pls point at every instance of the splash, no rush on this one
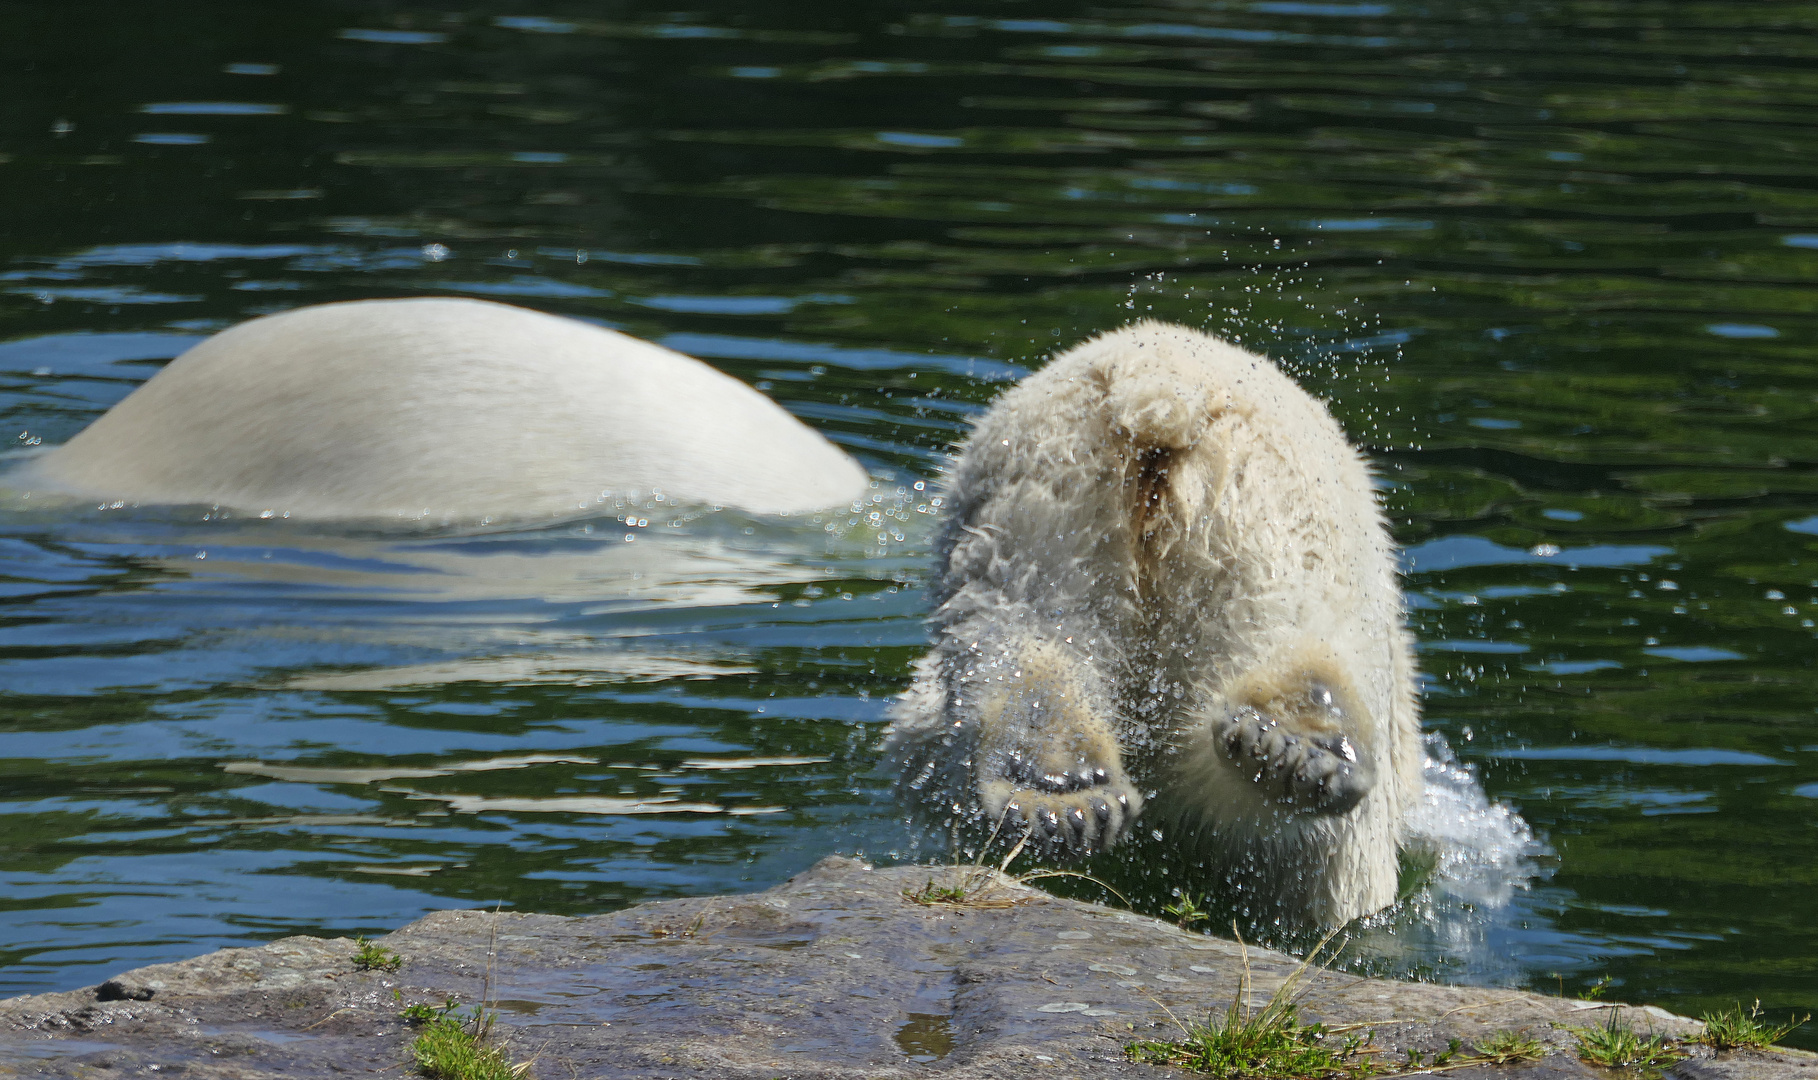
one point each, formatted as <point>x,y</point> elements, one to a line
<point>1483,851</point>
<point>1474,862</point>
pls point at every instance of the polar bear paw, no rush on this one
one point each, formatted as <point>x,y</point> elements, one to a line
<point>1321,772</point>
<point>1070,815</point>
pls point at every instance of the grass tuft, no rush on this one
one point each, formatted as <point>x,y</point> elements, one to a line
<point>937,894</point>
<point>1509,1048</point>
<point>1729,1029</point>
<point>449,1048</point>
<point>1616,1044</point>
<point>1250,1044</point>
<point>1185,911</point>
<point>371,957</point>
<point>422,1013</point>
<point>1269,1043</point>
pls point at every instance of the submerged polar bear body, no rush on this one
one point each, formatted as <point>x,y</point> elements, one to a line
<point>444,408</point>
<point>1166,589</point>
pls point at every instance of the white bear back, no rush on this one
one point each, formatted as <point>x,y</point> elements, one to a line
<point>447,408</point>
<point>1265,527</point>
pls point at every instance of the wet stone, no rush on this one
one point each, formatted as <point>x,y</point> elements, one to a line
<point>832,975</point>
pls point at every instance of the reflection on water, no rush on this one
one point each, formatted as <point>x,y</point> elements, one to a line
<point>925,1037</point>
<point>1551,262</point>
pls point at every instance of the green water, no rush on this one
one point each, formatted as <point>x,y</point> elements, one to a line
<point>1552,263</point>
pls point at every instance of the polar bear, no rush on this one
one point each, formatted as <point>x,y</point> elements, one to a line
<point>1166,589</point>
<point>443,409</point>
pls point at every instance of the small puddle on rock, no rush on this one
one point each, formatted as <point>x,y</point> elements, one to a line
<point>279,1037</point>
<point>925,1037</point>
<point>50,1049</point>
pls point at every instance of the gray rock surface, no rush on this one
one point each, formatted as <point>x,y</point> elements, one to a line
<point>835,974</point>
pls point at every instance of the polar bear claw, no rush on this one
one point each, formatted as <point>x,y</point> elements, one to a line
<point>1066,816</point>
<point>1320,774</point>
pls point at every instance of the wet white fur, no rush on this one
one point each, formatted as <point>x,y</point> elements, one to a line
<point>445,409</point>
<point>1268,558</point>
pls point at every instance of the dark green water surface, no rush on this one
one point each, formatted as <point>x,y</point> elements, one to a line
<point>1553,263</point>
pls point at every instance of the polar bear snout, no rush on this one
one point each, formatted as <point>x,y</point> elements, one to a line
<point>1299,750</point>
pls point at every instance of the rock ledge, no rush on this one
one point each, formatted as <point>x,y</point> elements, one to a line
<point>834,974</point>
